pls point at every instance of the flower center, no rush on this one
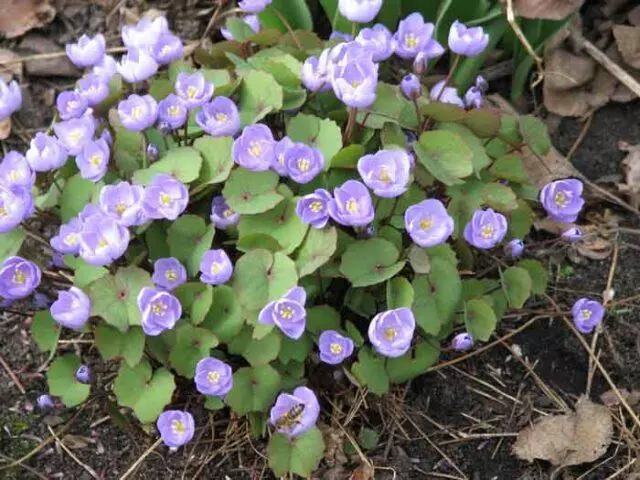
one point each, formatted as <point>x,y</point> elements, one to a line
<point>136,112</point>
<point>16,175</point>
<point>356,83</point>
<point>192,92</point>
<point>166,50</point>
<point>171,275</point>
<point>586,314</point>
<point>159,308</point>
<point>178,427</point>
<point>286,313</point>
<point>173,110</point>
<point>95,160</point>
<point>304,164</point>
<point>352,205</point>
<point>316,207</point>
<point>410,40</point>
<point>336,348</point>
<point>221,117</point>
<point>255,150</point>
<point>383,175</point>
<point>71,239</point>
<point>561,199</point>
<point>227,213</point>
<point>390,334</point>
<point>216,268</point>
<point>487,231</point>
<point>103,243</point>
<point>120,208</point>
<point>165,199</point>
<point>75,137</point>
<point>213,377</point>
<point>426,223</point>
<point>19,277</point>
<point>72,104</point>
<point>3,212</point>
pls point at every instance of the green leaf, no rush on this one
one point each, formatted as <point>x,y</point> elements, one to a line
<point>361,301</point>
<point>196,298</point>
<point>419,259</point>
<point>367,262</point>
<point>156,239</point>
<point>392,136</point>
<point>321,318</point>
<point>45,331</point>
<point>62,381</point>
<point>442,112</point>
<point>323,134</point>
<point>193,344</point>
<point>535,135</point>
<point>479,319</point>
<point>182,162</point>
<point>114,298</point>
<point>261,276</point>
<point>251,192</point>
<point>216,153</point>
<point>238,29</point>
<point>348,157</point>
<point>253,241</point>
<point>11,242</point>
<point>368,438</point>
<point>499,197</point>
<point>213,403</point>
<point>510,167</point>
<point>260,95</point>
<point>354,333</point>
<point>264,350</point>
<point>296,350</point>
<point>390,106</point>
<point>299,455</point>
<point>160,88</point>
<point>296,12</point>
<point>112,343</point>
<point>317,249</point>
<point>479,158</point>
<point>413,363</point>
<point>538,274</point>
<point>517,285</point>
<point>225,317</point>
<point>445,155</point>
<point>520,220</point>
<point>189,238</point>
<point>128,150</point>
<point>254,389</point>
<point>399,293</point>
<point>509,136</point>
<point>483,122</point>
<point>77,193</point>
<point>370,371</point>
<point>84,274</point>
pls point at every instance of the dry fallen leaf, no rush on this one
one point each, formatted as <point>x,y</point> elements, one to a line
<point>9,67</point>
<point>547,9</point>
<point>628,40</point>
<point>631,169</point>
<point>565,70</point>
<point>59,66</point>
<point>571,439</point>
<point>19,16</point>
<point>611,399</point>
<point>5,128</point>
<point>634,16</point>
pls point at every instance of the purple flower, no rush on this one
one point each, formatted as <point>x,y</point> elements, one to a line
<point>102,240</point>
<point>213,378</point>
<point>287,313</point>
<point>106,136</point>
<point>254,6</point>
<point>314,208</point>
<point>123,203</point>
<point>93,88</point>
<point>168,273</point>
<point>215,267</point>
<point>176,428</point>
<point>515,248</point>
<point>251,20</point>
<point>71,105</point>
<point>89,210</point>
<point>160,310</point>
<point>18,278</point>
<point>462,342</point>
<point>281,149</point>
<point>15,172</point>
<point>293,414</point>
<point>587,314</point>
<point>254,148</point>
<point>57,260</point>
<point>93,160</point>
<point>482,84</point>
<point>106,69</point>
<point>355,79</point>
<point>221,214</point>
<point>315,73</point>
<point>10,98</point>
<point>334,348</point>
<point>172,111</point>
<point>303,163</point>
<point>359,11</point>
<point>165,197</point>
<point>68,239</point>
<point>219,118</point>
<point>40,301</point>
<point>45,402</point>
<point>410,86</point>
<point>193,89</point>
<point>449,95</point>
<point>378,40</point>
<point>428,223</point>
<point>167,49</point>
<point>136,65</point>
<point>485,229</point>
<point>13,209</point>
<point>345,37</point>
<point>87,51</point>
<point>351,204</point>
<point>74,134</point>
<point>152,152</point>
<point>470,42</point>
<point>391,332</point>
<point>572,235</point>
<point>83,374</point>
<point>412,36</point>
<point>431,50</point>
<point>145,33</point>
<point>562,199</point>
<point>386,172</point>
<point>473,98</point>
<point>138,113</point>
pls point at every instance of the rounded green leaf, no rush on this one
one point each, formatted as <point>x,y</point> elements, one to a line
<point>156,395</point>
<point>390,106</point>
<point>45,331</point>
<point>399,293</point>
<point>62,381</point>
<point>112,343</point>
<point>413,363</point>
<point>442,112</point>
<point>296,13</point>
<point>251,192</point>
<point>445,155</point>
<point>213,403</point>
<point>520,220</point>
<point>537,272</point>
<point>300,455</point>
<point>479,319</point>
<point>500,197</point>
<point>509,167</point>
<point>253,241</point>
<point>484,122</point>
<point>183,163</point>
<point>75,195</point>
<point>11,242</point>
<point>348,157</point>
<point>296,350</point>
<point>323,134</point>
<point>260,95</point>
<point>225,317</point>
<point>193,344</point>
<point>317,249</point>
<point>128,150</point>
<point>321,318</point>
<point>419,259</point>
<point>367,262</point>
<point>517,284</point>
<point>264,350</point>
<point>189,237</point>
<point>196,299</point>
<point>535,134</point>
<point>479,158</point>
<point>254,389</point>
<point>217,160</point>
<point>370,371</point>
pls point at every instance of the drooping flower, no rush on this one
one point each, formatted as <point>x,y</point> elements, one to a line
<point>75,133</point>
<point>303,163</point>
<point>213,377</point>
<point>193,89</point>
<point>473,98</point>
<point>137,112</point>
<point>68,239</point>
<point>176,428</point>
<point>351,204</point>
<point>462,342</point>
<point>136,65</point>
<point>251,20</point>
<point>314,208</point>
<point>102,240</point>
<point>315,73</point>
<point>106,69</point>
<point>93,160</point>
<point>386,172</point>
<point>10,98</point>
<point>410,86</point>
<point>15,172</point>
<point>486,229</point>
<point>168,273</point>
<point>470,42</point>
<point>145,33</point>
<point>221,214</point>
<point>287,313</point>
<point>93,88</point>
<point>391,332</point>
<point>83,374</point>
<point>279,165</point>
<point>254,148</point>
<point>165,197</point>
<point>334,348</point>
<point>215,267</point>
<point>295,413</point>
<point>219,118</point>
<point>18,278</point>
<point>359,11</point>
<point>70,104</point>
<point>572,234</point>
<point>515,248</point>
<point>587,314</point>
<point>172,111</point>
<point>12,209</point>
<point>254,6</point>
<point>87,52</point>
<point>45,402</point>
<point>428,223</point>
<point>123,203</point>
<point>562,199</point>
<point>160,310</point>
<point>355,78</point>
<point>167,49</point>
<point>412,36</point>
<point>449,95</point>
<point>378,40</point>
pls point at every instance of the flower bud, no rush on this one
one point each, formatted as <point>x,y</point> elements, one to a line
<point>83,374</point>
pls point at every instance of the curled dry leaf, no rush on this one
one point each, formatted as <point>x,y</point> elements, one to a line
<point>634,16</point>
<point>10,66</point>
<point>566,70</point>
<point>628,40</point>
<point>547,9</point>
<point>631,169</point>
<point>611,399</point>
<point>571,439</point>
<point>5,128</point>
<point>59,65</point>
<point>19,16</point>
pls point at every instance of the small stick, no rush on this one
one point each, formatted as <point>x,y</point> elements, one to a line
<point>89,470</point>
<point>583,133</point>
<point>511,19</point>
<point>141,459</point>
<point>13,376</point>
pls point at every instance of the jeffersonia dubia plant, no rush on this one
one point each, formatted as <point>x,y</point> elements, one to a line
<point>219,222</point>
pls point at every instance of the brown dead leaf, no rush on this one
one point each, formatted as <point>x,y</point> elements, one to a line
<point>634,16</point>
<point>594,245</point>
<point>611,399</point>
<point>566,103</point>
<point>364,472</point>
<point>628,40</point>
<point>5,128</point>
<point>19,16</point>
<point>547,9</point>
<point>9,66</point>
<point>59,66</point>
<point>565,70</point>
<point>631,169</point>
<point>571,439</point>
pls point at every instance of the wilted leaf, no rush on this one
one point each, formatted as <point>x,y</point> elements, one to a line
<point>19,16</point>
<point>628,40</point>
<point>566,70</point>
<point>631,169</point>
<point>547,9</point>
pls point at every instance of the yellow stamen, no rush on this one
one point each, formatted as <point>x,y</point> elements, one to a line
<point>95,160</point>
<point>356,83</point>
<point>426,223</point>
<point>173,110</point>
<point>410,40</point>
<point>352,205</point>
<point>390,334</point>
<point>227,213</point>
<point>304,164</point>
<point>16,175</point>
<point>159,308</point>
<point>75,137</point>
<point>216,268</point>
<point>71,239</point>
<point>586,314</point>
<point>136,112</point>
<point>286,313</point>
<point>178,427</point>
<point>120,208</point>
<point>213,377</point>
<point>316,207</point>
<point>383,175</point>
<point>336,348</point>
<point>222,117</point>
<point>171,275</point>
<point>165,199</point>
<point>487,231</point>
<point>3,212</point>
<point>561,199</point>
<point>19,277</point>
<point>192,91</point>
<point>255,150</point>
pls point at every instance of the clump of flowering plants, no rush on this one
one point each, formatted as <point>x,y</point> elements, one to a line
<point>285,204</point>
